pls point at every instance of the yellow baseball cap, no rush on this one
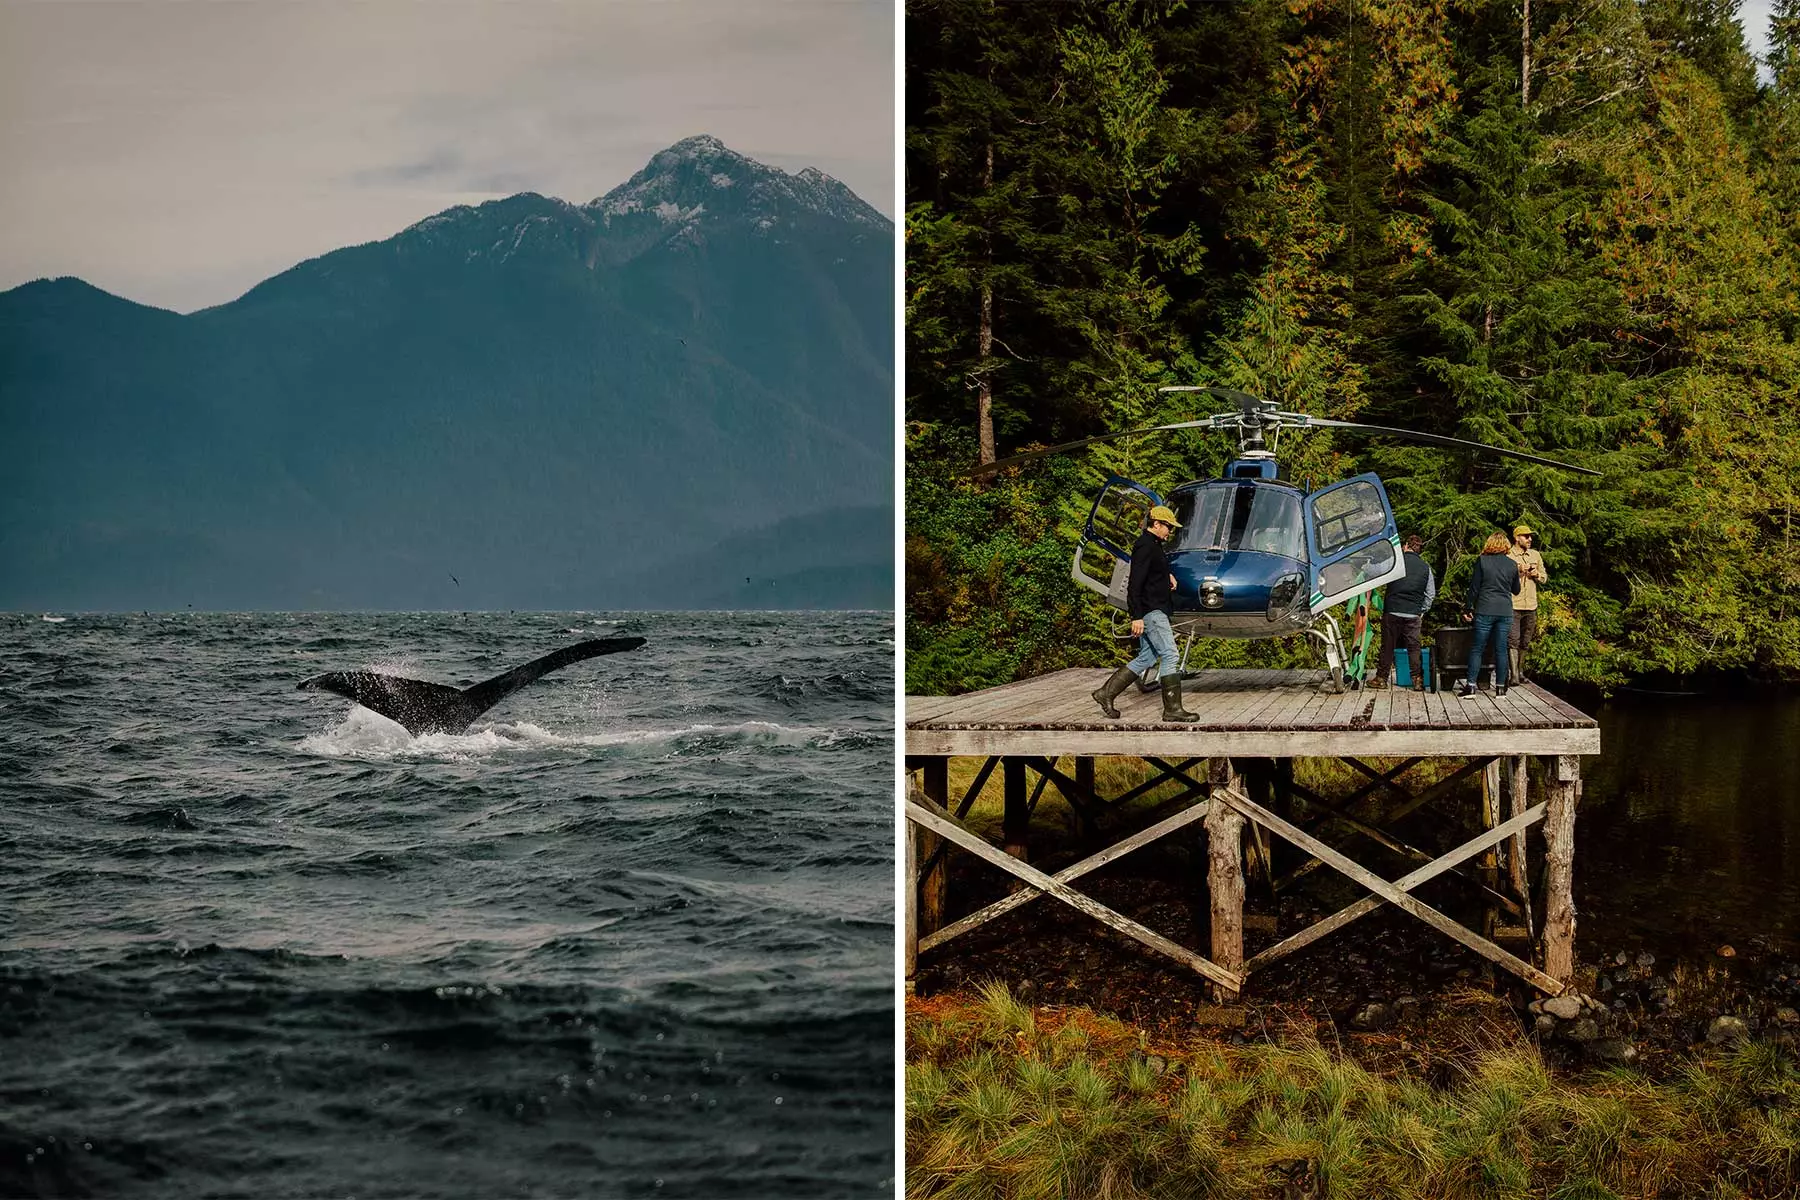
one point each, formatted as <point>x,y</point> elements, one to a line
<point>1518,529</point>
<point>1162,513</point>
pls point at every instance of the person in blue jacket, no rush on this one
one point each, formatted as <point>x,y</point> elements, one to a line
<point>1491,591</point>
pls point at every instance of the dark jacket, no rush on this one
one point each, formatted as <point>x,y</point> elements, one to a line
<point>1149,588</point>
<point>1492,587</point>
<point>1412,593</point>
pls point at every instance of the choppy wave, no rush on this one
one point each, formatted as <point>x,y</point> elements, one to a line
<point>629,935</point>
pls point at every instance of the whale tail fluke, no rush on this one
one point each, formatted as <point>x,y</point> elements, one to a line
<point>438,708</point>
<point>486,695</point>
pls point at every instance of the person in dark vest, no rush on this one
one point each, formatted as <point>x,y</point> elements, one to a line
<point>1491,590</point>
<point>1408,600</point>
<point>1150,600</point>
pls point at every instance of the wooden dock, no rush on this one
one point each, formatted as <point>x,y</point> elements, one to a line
<point>1271,714</point>
<point>1235,765</point>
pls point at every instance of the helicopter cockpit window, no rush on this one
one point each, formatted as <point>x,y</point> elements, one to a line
<point>1201,513</point>
<point>1347,515</point>
<point>1267,519</point>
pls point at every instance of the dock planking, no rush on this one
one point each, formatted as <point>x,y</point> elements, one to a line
<point>1260,712</point>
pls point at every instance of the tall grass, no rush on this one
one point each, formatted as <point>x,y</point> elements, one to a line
<point>1008,1103</point>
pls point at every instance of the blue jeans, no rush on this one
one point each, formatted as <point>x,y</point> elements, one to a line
<point>1158,642</point>
<point>1489,631</point>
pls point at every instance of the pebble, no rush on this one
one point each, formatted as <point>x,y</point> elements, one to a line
<point>1566,1006</point>
<point>1646,960</point>
<point>1535,1007</point>
<point>1614,1050</point>
<point>1787,1016</point>
<point>1621,958</point>
<point>1725,1031</point>
<point>1546,1023</point>
<point>1585,1030</point>
<point>1372,1016</point>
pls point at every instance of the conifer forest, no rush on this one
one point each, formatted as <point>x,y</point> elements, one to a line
<point>1567,227</point>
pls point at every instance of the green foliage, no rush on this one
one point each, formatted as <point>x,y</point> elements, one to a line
<point>1353,211</point>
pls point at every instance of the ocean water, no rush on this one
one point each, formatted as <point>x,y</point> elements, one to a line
<point>631,935</point>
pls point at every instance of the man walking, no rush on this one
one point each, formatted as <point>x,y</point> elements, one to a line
<point>1524,625</point>
<point>1150,599</point>
<point>1408,600</point>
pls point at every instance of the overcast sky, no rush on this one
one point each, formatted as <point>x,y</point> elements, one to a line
<point>177,153</point>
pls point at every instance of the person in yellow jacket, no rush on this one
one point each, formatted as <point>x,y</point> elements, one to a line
<point>1524,623</point>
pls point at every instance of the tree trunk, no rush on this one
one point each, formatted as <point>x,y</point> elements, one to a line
<point>984,403</point>
<point>1525,56</point>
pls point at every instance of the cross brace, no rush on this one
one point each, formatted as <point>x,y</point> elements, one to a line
<point>921,811</point>
<point>1393,893</point>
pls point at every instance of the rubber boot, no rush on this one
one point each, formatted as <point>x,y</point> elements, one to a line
<point>1109,691</point>
<point>1172,710</point>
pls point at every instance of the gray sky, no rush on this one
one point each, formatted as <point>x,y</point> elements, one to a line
<point>1753,15</point>
<point>177,153</point>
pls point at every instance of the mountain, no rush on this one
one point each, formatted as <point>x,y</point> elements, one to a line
<point>560,405</point>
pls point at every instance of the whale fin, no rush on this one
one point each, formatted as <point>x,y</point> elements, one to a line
<point>438,708</point>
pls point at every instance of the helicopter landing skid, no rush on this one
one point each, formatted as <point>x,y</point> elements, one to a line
<point>1328,633</point>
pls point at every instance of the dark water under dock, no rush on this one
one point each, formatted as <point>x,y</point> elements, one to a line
<point>1689,833</point>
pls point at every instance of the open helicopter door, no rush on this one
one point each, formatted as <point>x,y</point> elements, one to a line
<point>1354,545</point>
<point>1102,562</point>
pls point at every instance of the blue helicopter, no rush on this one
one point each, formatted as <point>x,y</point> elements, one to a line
<point>1257,556</point>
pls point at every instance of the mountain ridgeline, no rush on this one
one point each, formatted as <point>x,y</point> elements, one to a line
<point>676,396</point>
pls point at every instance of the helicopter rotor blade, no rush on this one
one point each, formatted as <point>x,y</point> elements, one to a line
<point>1065,447</point>
<point>1244,400</point>
<point>1432,439</point>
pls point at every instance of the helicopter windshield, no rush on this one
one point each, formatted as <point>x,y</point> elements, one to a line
<point>1232,516</point>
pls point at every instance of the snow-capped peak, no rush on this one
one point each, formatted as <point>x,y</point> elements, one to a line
<point>701,174</point>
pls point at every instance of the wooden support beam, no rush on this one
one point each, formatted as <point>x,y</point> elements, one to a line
<point>1069,874</point>
<point>1234,798</point>
<point>1225,873</point>
<point>1037,793</point>
<point>911,939</point>
<point>1081,796</point>
<point>1164,772</point>
<point>980,781</point>
<point>940,822</point>
<point>933,863</point>
<point>933,881</point>
<point>1413,805</point>
<point>1516,860</point>
<point>1016,824</point>
<point>1388,777</point>
<point>1406,883</point>
<point>1559,867</point>
<point>1382,837</point>
<point>1490,817</point>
